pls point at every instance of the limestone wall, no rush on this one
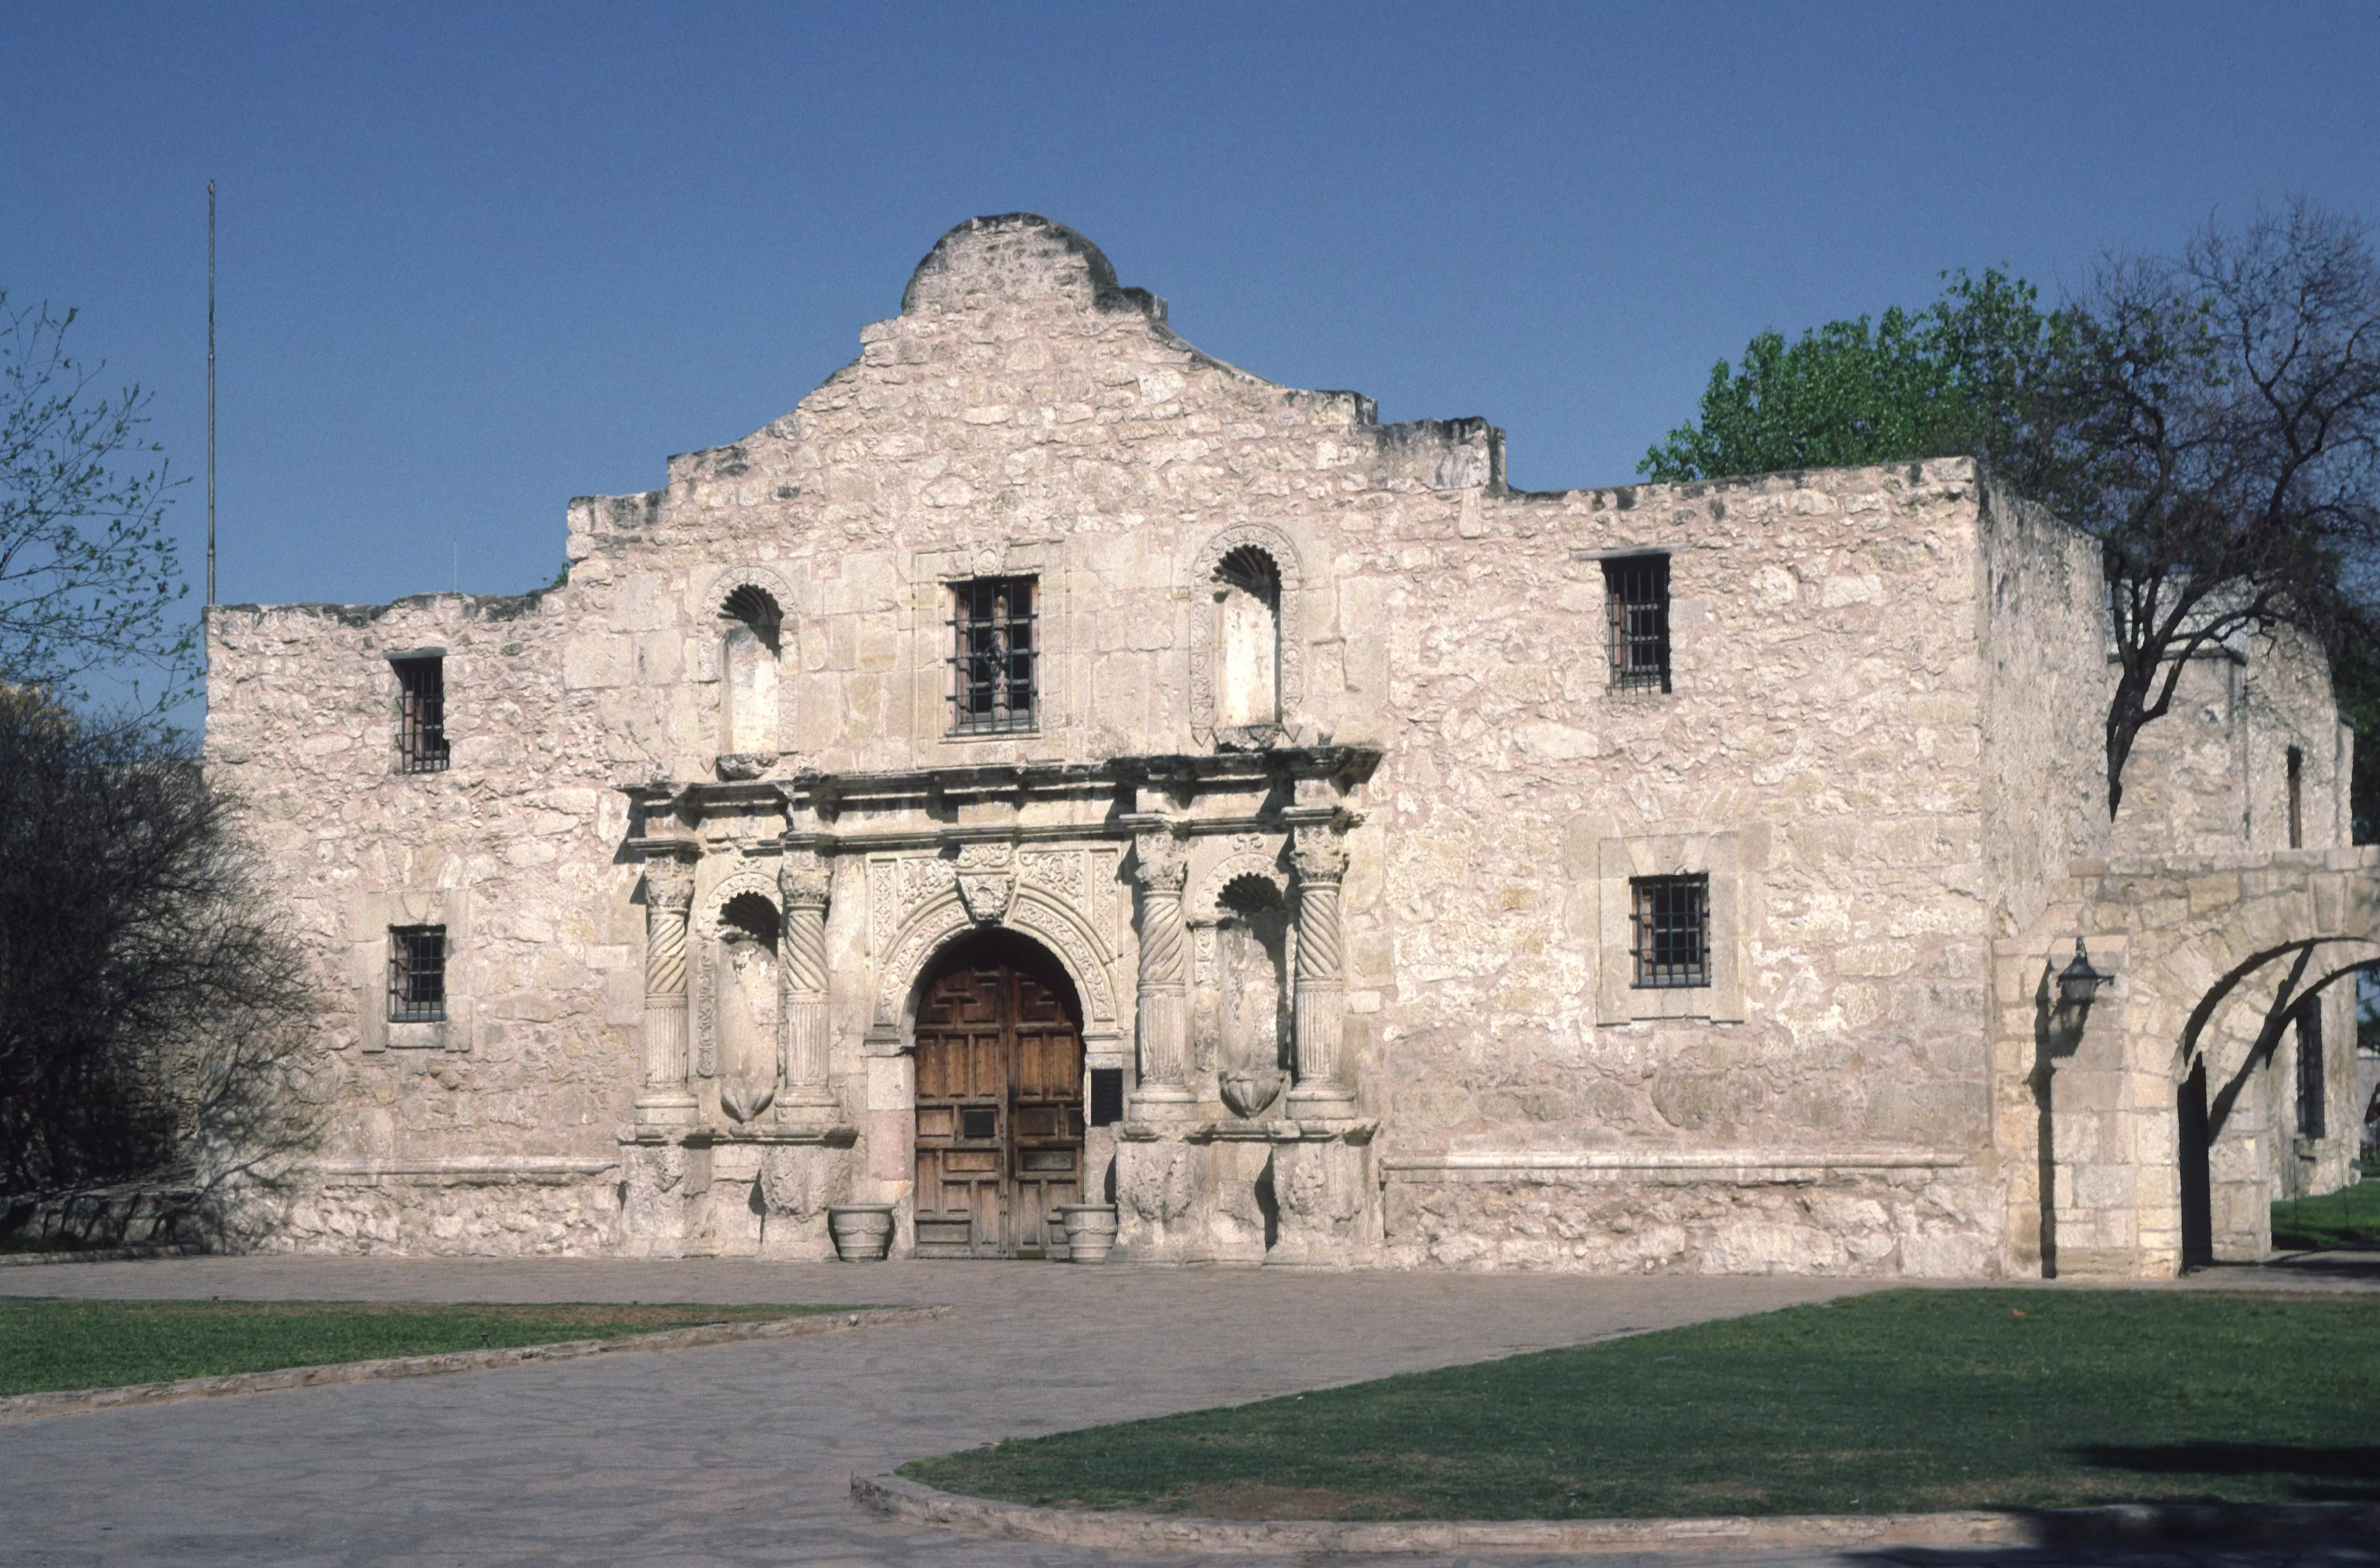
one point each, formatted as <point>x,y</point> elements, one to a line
<point>2045,706</point>
<point>2212,776</point>
<point>1878,745</point>
<point>513,848</point>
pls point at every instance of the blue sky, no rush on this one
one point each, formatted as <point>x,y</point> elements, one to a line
<point>478,260</point>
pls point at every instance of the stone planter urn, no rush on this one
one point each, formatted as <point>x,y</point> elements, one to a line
<point>862,1232</point>
<point>1090,1231</point>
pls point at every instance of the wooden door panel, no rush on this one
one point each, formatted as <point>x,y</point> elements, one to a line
<point>999,1116</point>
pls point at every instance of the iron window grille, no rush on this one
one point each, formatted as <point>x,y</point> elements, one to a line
<point>2297,798</point>
<point>420,714</point>
<point>994,661</point>
<point>1670,931</point>
<point>417,973</point>
<point>1637,590</point>
<point>2312,1120</point>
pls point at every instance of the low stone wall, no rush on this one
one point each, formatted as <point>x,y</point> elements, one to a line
<point>132,1215</point>
<point>1894,1216</point>
<point>448,1209</point>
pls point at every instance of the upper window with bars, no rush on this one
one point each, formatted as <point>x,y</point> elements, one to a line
<point>417,973</point>
<point>1670,931</point>
<point>421,713</point>
<point>995,658</point>
<point>1637,590</point>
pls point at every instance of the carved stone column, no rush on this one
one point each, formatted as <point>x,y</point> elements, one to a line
<point>1162,865</point>
<point>804,878</point>
<point>665,1101</point>
<point>1319,849</point>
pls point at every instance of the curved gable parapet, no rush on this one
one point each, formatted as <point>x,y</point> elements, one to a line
<point>1019,257</point>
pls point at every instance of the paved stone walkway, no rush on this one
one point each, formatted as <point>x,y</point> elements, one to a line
<point>739,1455</point>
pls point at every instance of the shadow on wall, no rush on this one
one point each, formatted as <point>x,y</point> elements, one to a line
<point>2057,1036</point>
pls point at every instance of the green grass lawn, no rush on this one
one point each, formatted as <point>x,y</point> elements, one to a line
<point>1903,1400</point>
<point>48,1343</point>
<point>2349,1217</point>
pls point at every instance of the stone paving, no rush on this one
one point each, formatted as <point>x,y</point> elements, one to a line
<point>740,1454</point>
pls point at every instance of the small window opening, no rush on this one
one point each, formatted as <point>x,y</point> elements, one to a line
<point>994,660</point>
<point>2312,1120</point>
<point>1107,1096</point>
<point>421,714</point>
<point>975,1123</point>
<point>1670,931</point>
<point>1638,592</point>
<point>417,973</point>
<point>2297,798</point>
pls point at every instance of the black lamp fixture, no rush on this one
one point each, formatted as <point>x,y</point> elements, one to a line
<point>2078,983</point>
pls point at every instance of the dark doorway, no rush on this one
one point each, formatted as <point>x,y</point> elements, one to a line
<point>1000,1101</point>
<point>2197,1182</point>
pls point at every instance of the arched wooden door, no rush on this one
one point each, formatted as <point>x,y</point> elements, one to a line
<point>1000,1111</point>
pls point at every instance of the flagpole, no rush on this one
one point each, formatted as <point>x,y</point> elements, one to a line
<point>211,393</point>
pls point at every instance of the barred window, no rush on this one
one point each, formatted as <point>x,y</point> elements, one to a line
<point>2297,798</point>
<point>1670,931</point>
<point>421,714</point>
<point>2312,1120</point>
<point>1637,590</point>
<point>994,658</point>
<point>417,973</point>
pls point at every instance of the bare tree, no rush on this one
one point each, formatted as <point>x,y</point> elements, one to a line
<point>152,1016</point>
<point>2216,424</point>
<point>88,577</point>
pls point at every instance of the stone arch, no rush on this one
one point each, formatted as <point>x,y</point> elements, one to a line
<point>1243,541</point>
<point>936,960</point>
<point>909,954</point>
<point>2219,958</point>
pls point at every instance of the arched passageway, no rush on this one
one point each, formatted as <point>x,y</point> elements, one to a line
<point>998,1098</point>
<point>2161,1122</point>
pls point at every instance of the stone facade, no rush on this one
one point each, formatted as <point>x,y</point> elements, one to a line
<point>1334,802</point>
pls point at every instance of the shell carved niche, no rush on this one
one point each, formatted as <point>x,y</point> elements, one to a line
<point>1246,648</point>
<point>739,1002</point>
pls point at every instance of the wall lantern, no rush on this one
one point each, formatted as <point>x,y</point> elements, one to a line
<point>2078,983</point>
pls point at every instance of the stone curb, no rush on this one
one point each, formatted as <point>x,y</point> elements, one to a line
<point>63,1402</point>
<point>2128,1524</point>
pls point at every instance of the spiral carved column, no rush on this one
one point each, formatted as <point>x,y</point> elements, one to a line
<point>1164,997</point>
<point>803,878</point>
<point>665,1100</point>
<point>1319,849</point>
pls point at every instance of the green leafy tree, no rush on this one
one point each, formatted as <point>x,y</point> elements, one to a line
<point>2213,419</point>
<point>1956,377</point>
<point>88,577</point>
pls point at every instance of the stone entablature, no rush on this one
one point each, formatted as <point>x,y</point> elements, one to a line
<point>1332,805</point>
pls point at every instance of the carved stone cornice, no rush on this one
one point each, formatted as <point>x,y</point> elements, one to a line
<point>813,799</point>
